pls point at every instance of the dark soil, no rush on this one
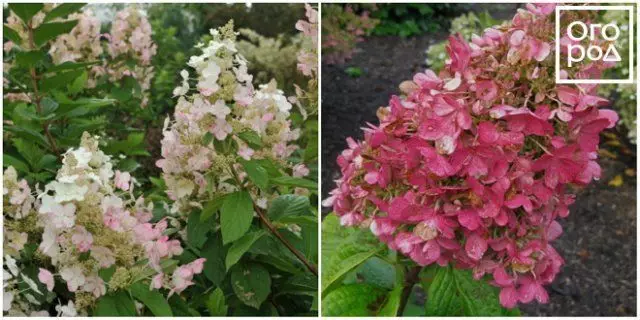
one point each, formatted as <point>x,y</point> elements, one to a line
<point>599,240</point>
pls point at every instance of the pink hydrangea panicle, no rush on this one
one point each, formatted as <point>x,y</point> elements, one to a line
<point>471,166</point>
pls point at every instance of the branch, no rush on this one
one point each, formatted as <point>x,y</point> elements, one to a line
<point>265,220</point>
<point>38,98</point>
<point>284,241</point>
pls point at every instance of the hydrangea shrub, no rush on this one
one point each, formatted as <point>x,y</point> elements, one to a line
<point>237,181</point>
<point>473,167</point>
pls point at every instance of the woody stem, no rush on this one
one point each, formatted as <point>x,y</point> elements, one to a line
<point>38,98</point>
<point>265,220</point>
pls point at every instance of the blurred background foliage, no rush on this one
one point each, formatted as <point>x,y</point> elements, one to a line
<point>408,19</point>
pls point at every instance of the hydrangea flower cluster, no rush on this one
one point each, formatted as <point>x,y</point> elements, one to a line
<point>130,37</point>
<point>218,117</point>
<point>307,99</point>
<point>474,165</point>
<point>19,226</point>
<point>82,43</point>
<point>86,221</point>
<point>308,57</point>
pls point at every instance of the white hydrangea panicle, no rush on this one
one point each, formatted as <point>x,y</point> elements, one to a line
<point>86,220</point>
<point>205,137</point>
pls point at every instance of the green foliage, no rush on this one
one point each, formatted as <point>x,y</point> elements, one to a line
<point>216,304</point>
<point>352,300</point>
<point>354,262</point>
<point>241,246</point>
<point>154,300</point>
<point>623,96</point>
<point>411,19</point>
<point>251,283</point>
<point>236,215</point>
<point>118,304</point>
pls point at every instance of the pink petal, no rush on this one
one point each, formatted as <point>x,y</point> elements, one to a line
<point>475,247</point>
<point>508,297</point>
<point>502,278</point>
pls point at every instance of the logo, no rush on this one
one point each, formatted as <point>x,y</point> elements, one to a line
<point>582,36</point>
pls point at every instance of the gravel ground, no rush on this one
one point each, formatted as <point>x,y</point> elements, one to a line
<point>599,240</point>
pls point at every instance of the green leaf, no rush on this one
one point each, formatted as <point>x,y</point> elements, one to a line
<point>63,10</point>
<point>251,283</point>
<point>49,31</point>
<point>300,220</point>
<point>391,306</point>
<point>241,246</point>
<point>128,165</point>
<point>257,174</point>
<point>375,271</point>
<point>20,166</point>
<point>11,35</point>
<point>272,168</point>
<point>59,79</point>
<point>216,303</point>
<point>215,253</point>
<point>478,297</point>
<point>443,299</point>
<point>46,161</point>
<point>310,242</point>
<point>197,230</point>
<point>48,106</point>
<point>351,300</point>
<point>153,299</point>
<point>28,112</point>
<point>288,205</point>
<point>29,59</point>
<point>27,133</point>
<point>236,215</point>
<point>107,273</point>
<point>25,11</point>
<point>343,252</point>
<point>251,138</point>
<point>207,138</point>
<point>211,207</point>
<point>300,284</point>
<point>116,304</point>
<point>78,84</point>
<point>29,151</point>
<point>295,182</point>
<point>181,308</point>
